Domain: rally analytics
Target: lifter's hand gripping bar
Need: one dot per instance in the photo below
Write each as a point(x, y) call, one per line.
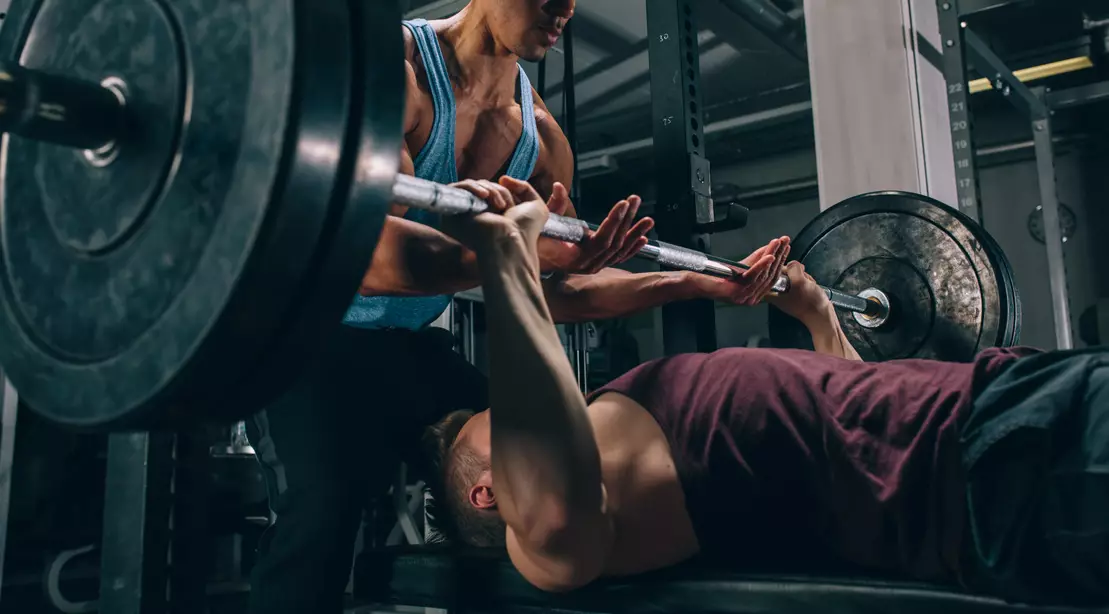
point(430, 196)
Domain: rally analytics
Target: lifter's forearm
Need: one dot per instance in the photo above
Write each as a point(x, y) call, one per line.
point(545, 460)
point(412, 259)
point(614, 293)
point(828, 336)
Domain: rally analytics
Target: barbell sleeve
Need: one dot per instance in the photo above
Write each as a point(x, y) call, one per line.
point(430, 196)
point(60, 110)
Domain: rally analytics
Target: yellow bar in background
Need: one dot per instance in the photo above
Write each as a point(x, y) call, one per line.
point(1037, 72)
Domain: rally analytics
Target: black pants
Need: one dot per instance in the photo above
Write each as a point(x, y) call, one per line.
point(1036, 449)
point(334, 441)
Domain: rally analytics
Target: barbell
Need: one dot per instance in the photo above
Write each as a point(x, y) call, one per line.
point(192, 192)
point(90, 116)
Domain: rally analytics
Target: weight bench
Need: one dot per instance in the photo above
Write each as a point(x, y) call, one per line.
point(485, 581)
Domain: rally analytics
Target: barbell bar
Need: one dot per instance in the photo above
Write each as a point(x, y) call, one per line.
point(430, 196)
point(90, 116)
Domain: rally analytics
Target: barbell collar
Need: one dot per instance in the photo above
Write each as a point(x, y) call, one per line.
point(878, 309)
point(61, 110)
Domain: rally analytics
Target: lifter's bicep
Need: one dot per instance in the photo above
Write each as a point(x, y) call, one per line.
point(556, 157)
point(567, 562)
point(411, 123)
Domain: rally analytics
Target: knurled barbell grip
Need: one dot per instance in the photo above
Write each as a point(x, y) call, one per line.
point(60, 110)
point(428, 195)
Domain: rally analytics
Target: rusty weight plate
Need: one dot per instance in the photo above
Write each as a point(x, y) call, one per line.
point(950, 286)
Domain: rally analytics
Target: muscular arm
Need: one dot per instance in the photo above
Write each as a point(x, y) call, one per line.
point(546, 466)
point(828, 337)
point(412, 259)
point(556, 158)
point(416, 260)
point(611, 293)
point(615, 293)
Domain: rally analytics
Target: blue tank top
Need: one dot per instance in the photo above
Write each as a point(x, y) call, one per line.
point(436, 163)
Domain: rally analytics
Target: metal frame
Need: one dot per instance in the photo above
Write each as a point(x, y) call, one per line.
point(1039, 105)
point(1078, 96)
point(1042, 134)
point(986, 61)
point(958, 102)
point(683, 177)
point(9, 412)
point(153, 555)
point(577, 347)
point(774, 23)
point(190, 541)
point(134, 562)
point(570, 103)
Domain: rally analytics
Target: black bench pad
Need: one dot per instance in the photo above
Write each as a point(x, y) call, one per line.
point(486, 581)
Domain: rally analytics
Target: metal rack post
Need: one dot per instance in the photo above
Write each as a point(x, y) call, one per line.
point(9, 410)
point(961, 44)
point(958, 106)
point(138, 503)
point(683, 178)
point(1042, 135)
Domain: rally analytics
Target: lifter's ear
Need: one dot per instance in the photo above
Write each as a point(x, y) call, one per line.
point(482, 496)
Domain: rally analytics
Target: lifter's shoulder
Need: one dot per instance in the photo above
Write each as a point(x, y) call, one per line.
point(409, 43)
point(411, 56)
point(550, 133)
point(416, 98)
point(556, 157)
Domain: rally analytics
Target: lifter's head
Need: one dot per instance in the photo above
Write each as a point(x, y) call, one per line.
point(529, 28)
point(462, 485)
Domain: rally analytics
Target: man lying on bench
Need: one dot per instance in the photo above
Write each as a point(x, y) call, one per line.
point(993, 474)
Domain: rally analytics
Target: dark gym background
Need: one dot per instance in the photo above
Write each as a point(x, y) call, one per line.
point(760, 141)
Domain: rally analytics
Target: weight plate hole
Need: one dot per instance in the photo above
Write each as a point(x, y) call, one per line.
point(108, 153)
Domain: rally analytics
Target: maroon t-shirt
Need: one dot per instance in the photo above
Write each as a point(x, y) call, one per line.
point(791, 458)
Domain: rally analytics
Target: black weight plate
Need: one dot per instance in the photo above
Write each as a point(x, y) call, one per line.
point(949, 284)
point(151, 289)
point(370, 162)
point(1013, 313)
